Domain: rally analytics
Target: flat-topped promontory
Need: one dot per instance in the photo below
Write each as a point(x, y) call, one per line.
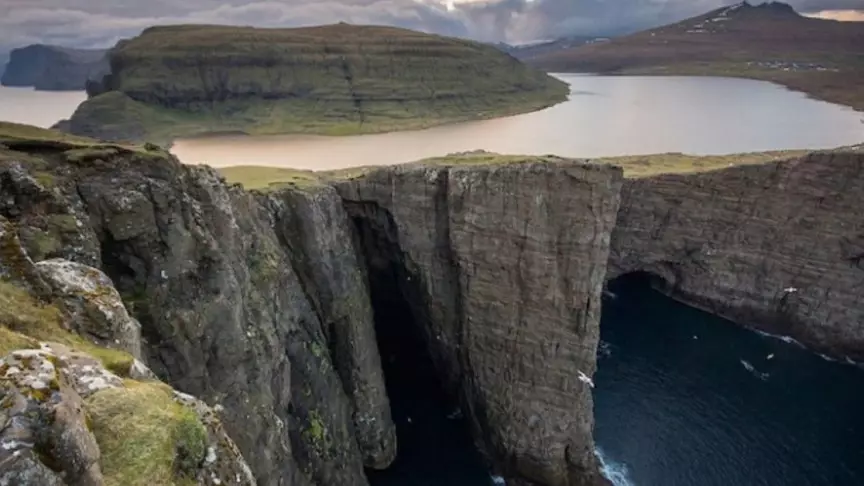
point(188, 80)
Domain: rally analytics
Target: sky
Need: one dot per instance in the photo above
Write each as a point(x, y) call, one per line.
point(101, 23)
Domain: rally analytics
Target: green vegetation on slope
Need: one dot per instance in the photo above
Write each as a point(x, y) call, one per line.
point(24, 321)
point(146, 437)
point(341, 79)
point(769, 42)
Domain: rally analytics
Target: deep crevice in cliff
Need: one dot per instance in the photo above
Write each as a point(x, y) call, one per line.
point(434, 442)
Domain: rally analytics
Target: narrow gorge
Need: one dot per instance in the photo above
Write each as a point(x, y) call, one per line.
point(272, 307)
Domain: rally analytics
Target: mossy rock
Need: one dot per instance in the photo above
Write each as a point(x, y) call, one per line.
point(24, 321)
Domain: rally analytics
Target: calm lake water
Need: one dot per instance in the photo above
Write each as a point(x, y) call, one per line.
point(682, 398)
point(39, 108)
point(605, 116)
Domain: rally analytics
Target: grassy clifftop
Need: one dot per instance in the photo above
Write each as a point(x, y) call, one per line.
point(338, 79)
point(771, 42)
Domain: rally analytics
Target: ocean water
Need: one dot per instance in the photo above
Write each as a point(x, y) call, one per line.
point(684, 398)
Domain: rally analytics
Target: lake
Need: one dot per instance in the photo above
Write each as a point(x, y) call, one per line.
point(720, 405)
point(605, 116)
point(39, 108)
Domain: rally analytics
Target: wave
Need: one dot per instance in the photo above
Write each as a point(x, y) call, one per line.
point(615, 472)
point(752, 369)
point(789, 340)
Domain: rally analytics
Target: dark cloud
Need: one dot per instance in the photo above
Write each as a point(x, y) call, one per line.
point(100, 23)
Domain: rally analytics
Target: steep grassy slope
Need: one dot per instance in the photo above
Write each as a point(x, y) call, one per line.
point(337, 79)
point(53, 68)
point(824, 58)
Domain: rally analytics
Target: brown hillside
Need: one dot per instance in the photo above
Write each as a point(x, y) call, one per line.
point(770, 41)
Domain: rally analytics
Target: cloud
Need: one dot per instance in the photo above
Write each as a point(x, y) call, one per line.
point(100, 23)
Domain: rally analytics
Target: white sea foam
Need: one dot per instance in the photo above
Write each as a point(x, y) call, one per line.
point(749, 367)
point(787, 339)
point(615, 472)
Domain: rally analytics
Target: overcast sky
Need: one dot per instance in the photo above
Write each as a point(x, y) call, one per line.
point(100, 23)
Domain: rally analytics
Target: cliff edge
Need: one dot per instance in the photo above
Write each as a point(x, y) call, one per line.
point(187, 80)
point(263, 305)
point(53, 68)
point(777, 246)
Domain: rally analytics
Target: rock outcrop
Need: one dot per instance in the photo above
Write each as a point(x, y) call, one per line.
point(777, 246)
point(54, 68)
point(70, 413)
point(502, 267)
point(186, 80)
point(230, 311)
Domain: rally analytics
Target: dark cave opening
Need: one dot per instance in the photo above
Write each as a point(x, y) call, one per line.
point(435, 447)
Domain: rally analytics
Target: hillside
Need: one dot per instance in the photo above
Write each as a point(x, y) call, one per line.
point(52, 68)
point(338, 79)
point(771, 41)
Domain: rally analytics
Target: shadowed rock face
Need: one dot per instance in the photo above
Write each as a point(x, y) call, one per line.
point(53, 68)
point(502, 267)
point(777, 246)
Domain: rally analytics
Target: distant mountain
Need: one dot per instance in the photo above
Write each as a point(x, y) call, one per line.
point(53, 68)
point(4, 58)
point(529, 51)
point(769, 41)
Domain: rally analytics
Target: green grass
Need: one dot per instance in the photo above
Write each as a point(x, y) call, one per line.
point(20, 138)
point(24, 321)
point(638, 166)
point(635, 166)
point(117, 117)
point(145, 436)
point(182, 81)
point(12, 133)
point(269, 178)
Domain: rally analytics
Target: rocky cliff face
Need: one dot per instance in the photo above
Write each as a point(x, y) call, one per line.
point(179, 81)
point(229, 312)
point(53, 68)
point(502, 268)
point(267, 306)
point(260, 304)
point(776, 246)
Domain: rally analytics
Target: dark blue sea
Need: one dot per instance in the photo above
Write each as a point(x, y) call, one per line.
point(682, 398)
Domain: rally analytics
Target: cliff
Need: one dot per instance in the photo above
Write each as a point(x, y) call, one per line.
point(118, 265)
point(264, 305)
point(776, 246)
point(53, 68)
point(502, 266)
point(339, 79)
point(769, 41)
